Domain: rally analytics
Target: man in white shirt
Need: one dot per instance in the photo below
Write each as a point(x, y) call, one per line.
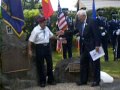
point(40, 36)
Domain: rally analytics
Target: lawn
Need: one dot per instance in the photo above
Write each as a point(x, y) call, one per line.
point(111, 67)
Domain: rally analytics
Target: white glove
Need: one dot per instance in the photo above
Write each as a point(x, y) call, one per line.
point(113, 32)
point(78, 38)
point(118, 32)
point(103, 34)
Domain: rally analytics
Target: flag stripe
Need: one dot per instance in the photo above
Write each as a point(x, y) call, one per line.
point(64, 24)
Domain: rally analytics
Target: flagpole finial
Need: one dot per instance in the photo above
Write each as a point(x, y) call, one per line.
point(93, 10)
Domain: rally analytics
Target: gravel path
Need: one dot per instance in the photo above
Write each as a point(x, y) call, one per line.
point(72, 86)
point(65, 86)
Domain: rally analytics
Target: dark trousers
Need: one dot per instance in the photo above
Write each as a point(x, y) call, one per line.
point(113, 39)
point(105, 48)
point(44, 53)
point(67, 49)
point(85, 63)
point(117, 48)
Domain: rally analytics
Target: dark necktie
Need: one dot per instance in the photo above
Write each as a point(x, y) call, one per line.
point(82, 28)
point(44, 33)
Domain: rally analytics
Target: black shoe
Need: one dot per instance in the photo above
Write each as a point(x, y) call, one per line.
point(95, 84)
point(79, 83)
point(42, 85)
point(51, 83)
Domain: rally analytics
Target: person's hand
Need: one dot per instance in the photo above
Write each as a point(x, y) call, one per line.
point(97, 49)
point(64, 41)
point(29, 53)
point(118, 32)
point(58, 33)
point(77, 34)
point(78, 38)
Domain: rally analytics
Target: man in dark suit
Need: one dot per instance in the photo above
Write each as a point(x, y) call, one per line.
point(68, 35)
point(103, 27)
point(89, 40)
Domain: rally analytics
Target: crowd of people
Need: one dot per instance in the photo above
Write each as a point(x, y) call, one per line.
point(93, 33)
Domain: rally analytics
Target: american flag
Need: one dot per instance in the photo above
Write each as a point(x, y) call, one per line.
point(62, 25)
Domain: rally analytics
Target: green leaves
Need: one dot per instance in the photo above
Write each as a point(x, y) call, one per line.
point(31, 13)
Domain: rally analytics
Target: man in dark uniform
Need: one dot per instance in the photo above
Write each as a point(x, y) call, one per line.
point(68, 35)
point(89, 40)
point(103, 27)
point(113, 27)
point(117, 45)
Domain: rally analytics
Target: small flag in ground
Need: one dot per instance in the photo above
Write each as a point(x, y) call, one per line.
point(62, 25)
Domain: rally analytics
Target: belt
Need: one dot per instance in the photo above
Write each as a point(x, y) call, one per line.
point(43, 44)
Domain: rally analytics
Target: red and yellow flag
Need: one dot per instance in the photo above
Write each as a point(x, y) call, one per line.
point(47, 8)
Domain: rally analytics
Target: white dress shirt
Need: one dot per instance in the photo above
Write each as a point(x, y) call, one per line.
point(39, 36)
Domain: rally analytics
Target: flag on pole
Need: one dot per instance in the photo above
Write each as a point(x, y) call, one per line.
point(78, 2)
point(93, 10)
point(47, 8)
point(62, 25)
point(0, 8)
point(12, 14)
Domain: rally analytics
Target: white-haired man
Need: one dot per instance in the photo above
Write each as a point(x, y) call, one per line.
point(89, 40)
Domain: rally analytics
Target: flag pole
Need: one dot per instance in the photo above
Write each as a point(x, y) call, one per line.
point(78, 2)
point(1, 49)
point(78, 43)
point(93, 10)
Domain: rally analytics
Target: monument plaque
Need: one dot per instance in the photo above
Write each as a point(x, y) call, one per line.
point(14, 53)
point(74, 67)
point(9, 30)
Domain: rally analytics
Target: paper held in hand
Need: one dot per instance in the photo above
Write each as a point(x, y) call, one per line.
point(95, 55)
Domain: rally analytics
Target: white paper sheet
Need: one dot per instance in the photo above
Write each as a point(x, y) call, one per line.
point(95, 55)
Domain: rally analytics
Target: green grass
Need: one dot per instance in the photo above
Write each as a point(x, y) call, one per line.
point(111, 67)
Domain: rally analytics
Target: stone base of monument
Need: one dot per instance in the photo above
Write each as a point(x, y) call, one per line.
point(68, 71)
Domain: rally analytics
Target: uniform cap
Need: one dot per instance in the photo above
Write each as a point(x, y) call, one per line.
point(41, 19)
